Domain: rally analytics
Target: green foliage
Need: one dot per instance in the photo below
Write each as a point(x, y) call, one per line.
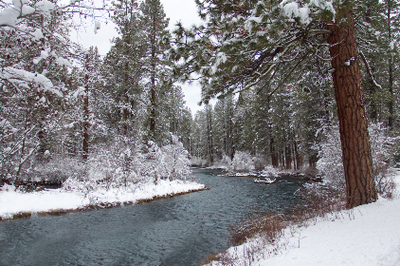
point(378, 28)
point(274, 57)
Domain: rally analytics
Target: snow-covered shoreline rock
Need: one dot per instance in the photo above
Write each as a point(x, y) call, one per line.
point(14, 204)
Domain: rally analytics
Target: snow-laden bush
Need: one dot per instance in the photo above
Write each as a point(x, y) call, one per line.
point(116, 166)
point(330, 163)
point(109, 166)
point(198, 162)
point(168, 162)
point(225, 163)
point(124, 164)
point(382, 149)
point(177, 160)
point(242, 162)
point(58, 169)
point(270, 171)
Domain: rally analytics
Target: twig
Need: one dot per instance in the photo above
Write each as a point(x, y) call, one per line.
point(289, 74)
point(369, 70)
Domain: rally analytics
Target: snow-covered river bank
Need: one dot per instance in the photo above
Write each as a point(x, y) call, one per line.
point(16, 204)
point(174, 231)
point(368, 235)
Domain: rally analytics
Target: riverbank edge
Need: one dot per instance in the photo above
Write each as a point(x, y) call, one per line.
point(101, 205)
point(278, 174)
point(263, 248)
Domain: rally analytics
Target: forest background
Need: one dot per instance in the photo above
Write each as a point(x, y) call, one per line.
point(67, 112)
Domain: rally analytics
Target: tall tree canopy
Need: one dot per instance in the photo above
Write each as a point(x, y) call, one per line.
point(247, 43)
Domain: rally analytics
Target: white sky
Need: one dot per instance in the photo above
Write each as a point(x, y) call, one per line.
point(177, 10)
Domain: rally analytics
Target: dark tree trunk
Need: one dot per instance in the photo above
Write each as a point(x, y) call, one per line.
point(391, 95)
point(86, 121)
point(298, 156)
point(153, 112)
point(126, 113)
point(390, 103)
point(288, 156)
point(274, 155)
point(126, 96)
point(356, 149)
point(210, 136)
point(312, 161)
point(373, 107)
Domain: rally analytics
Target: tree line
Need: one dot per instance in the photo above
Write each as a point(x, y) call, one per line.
point(68, 112)
point(285, 73)
point(310, 65)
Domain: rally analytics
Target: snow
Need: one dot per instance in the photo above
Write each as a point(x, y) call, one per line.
point(38, 34)
point(97, 26)
point(23, 78)
point(293, 10)
point(63, 62)
point(45, 7)
point(366, 235)
point(43, 55)
point(13, 202)
point(27, 10)
point(221, 58)
point(9, 17)
point(324, 5)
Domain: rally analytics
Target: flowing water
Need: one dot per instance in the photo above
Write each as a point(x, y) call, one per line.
point(175, 231)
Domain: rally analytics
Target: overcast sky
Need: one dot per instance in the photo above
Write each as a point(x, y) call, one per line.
point(177, 10)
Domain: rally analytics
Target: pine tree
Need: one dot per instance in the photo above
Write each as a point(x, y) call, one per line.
point(224, 127)
point(378, 43)
point(157, 66)
point(244, 42)
point(123, 67)
point(354, 136)
point(393, 42)
point(91, 83)
point(34, 60)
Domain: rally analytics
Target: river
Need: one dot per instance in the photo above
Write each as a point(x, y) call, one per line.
point(175, 231)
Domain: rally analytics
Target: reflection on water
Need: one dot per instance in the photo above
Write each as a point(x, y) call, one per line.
point(175, 231)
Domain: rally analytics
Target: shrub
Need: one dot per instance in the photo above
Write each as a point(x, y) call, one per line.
point(198, 162)
point(123, 164)
point(270, 171)
point(382, 148)
point(242, 162)
point(168, 162)
point(330, 163)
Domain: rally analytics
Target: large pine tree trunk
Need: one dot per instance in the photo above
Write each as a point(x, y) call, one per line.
point(356, 149)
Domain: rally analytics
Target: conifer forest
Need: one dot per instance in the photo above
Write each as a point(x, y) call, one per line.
point(306, 86)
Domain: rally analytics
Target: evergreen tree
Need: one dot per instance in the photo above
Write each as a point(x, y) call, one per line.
point(123, 68)
point(244, 42)
point(157, 67)
point(34, 72)
point(224, 141)
point(378, 39)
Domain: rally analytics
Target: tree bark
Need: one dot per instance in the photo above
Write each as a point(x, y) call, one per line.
point(390, 103)
point(356, 151)
point(274, 155)
point(210, 135)
point(288, 156)
point(86, 123)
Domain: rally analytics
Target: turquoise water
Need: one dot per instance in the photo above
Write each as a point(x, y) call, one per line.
point(175, 231)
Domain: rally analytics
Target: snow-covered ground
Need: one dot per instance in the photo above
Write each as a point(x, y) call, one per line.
point(15, 202)
point(366, 235)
